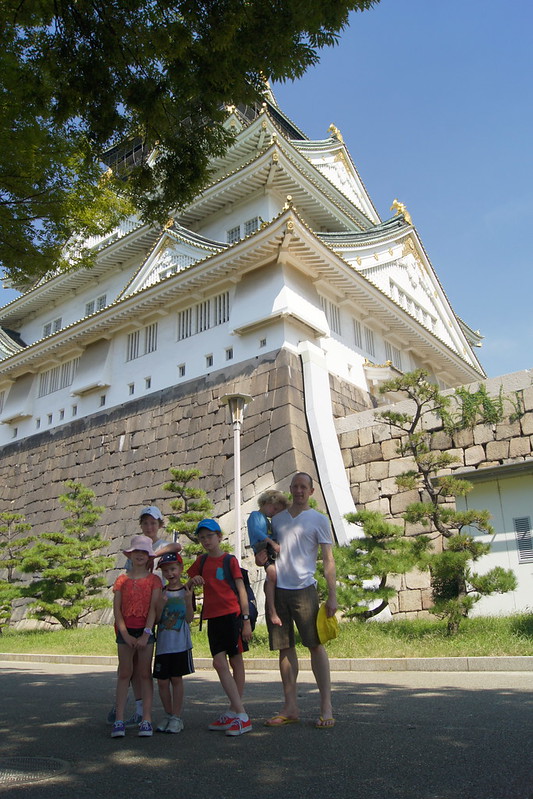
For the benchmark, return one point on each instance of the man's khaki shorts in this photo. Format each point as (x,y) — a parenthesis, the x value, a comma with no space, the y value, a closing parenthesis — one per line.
(300,607)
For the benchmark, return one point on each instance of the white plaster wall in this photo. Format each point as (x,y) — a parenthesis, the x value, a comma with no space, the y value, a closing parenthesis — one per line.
(506,499)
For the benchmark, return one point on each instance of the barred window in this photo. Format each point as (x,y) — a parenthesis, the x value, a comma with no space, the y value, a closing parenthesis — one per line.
(251,225)
(150,338)
(357,334)
(333,314)
(141,342)
(52,327)
(233,234)
(524,539)
(369,341)
(132,350)
(393,355)
(184,324)
(203,316)
(2,400)
(95,305)
(57,378)
(221,308)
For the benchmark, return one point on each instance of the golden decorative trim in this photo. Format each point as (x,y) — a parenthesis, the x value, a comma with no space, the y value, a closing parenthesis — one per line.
(401,210)
(335,133)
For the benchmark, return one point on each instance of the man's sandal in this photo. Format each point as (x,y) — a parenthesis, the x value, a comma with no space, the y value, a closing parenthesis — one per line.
(324,723)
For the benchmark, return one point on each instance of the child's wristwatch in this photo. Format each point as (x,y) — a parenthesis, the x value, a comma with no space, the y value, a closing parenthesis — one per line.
(148,630)
(245,617)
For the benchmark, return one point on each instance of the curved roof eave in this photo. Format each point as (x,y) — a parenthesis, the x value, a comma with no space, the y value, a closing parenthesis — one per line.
(261,247)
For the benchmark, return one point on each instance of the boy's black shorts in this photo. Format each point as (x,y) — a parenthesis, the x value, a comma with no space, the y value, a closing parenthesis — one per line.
(271,552)
(224,635)
(173,664)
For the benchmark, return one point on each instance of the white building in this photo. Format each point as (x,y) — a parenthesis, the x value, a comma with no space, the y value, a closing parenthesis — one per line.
(283,246)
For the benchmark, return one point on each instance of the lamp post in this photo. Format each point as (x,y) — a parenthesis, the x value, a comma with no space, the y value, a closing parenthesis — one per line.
(237,403)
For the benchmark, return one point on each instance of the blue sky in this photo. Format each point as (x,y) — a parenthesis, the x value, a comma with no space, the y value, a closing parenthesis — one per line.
(434,101)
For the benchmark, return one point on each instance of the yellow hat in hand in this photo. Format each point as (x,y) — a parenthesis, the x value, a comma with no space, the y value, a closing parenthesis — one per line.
(327,626)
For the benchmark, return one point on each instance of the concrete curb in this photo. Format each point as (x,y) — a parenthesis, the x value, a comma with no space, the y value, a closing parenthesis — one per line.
(472,664)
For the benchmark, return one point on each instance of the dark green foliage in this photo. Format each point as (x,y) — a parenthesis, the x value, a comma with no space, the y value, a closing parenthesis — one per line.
(190,506)
(455,588)
(67,567)
(365,564)
(13,541)
(78,77)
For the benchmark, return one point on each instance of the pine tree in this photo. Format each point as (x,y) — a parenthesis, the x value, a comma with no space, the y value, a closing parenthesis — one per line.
(456,588)
(12,543)
(190,506)
(68,569)
(364,566)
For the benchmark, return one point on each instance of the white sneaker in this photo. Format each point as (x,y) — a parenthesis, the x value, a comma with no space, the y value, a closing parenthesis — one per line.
(175,724)
(163,724)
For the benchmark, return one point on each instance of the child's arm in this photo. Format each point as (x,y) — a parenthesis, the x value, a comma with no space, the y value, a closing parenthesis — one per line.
(245,609)
(150,619)
(119,620)
(189,610)
(192,582)
(168,548)
(159,607)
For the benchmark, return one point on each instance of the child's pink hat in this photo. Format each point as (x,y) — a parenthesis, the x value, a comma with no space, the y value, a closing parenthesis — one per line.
(141,542)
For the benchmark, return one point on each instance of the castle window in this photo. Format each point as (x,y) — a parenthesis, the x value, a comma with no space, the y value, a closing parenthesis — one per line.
(141,342)
(148,382)
(52,327)
(208,361)
(202,316)
(61,414)
(57,378)
(524,539)
(333,314)
(233,234)
(74,410)
(95,305)
(221,308)
(131,389)
(251,225)
(357,334)
(2,400)
(184,324)
(370,346)
(102,400)
(181,370)
(229,354)
(393,355)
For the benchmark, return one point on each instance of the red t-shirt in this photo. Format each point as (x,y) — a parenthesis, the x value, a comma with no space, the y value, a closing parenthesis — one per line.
(136,596)
(219,597)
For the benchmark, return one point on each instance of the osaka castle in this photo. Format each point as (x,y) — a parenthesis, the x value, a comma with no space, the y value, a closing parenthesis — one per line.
(279,282)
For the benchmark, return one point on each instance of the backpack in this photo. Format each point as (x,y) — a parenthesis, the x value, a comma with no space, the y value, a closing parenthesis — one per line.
(252,601)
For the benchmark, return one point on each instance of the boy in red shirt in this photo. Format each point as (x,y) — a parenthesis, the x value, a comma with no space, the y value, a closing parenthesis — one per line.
(228,623)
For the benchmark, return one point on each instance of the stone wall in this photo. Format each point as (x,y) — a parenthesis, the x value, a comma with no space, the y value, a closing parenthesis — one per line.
(370,455)
(124,454)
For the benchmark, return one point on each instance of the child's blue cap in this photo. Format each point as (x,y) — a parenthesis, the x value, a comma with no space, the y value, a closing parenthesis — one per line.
(208,524)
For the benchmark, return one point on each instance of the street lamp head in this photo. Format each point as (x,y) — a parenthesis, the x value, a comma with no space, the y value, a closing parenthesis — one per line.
(236,403)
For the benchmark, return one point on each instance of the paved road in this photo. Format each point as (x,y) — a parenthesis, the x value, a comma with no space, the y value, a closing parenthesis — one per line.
(411,735)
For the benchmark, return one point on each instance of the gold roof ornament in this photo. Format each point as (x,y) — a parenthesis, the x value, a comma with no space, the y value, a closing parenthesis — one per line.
(335,133)
(401,210)
(288,203)
(168,224)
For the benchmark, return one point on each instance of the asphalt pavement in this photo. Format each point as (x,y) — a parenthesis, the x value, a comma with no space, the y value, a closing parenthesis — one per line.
(399,735)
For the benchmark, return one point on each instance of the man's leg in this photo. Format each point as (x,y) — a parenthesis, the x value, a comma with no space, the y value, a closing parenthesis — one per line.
(320,666)
(288,669)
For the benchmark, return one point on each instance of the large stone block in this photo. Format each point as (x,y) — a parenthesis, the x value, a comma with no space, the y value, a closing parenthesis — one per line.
(410,601)
(474,455)
(371,452)
(526,424)
(519,447)
(399,502)
(378,470)
(497,450)
(506,430)
(483,433)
